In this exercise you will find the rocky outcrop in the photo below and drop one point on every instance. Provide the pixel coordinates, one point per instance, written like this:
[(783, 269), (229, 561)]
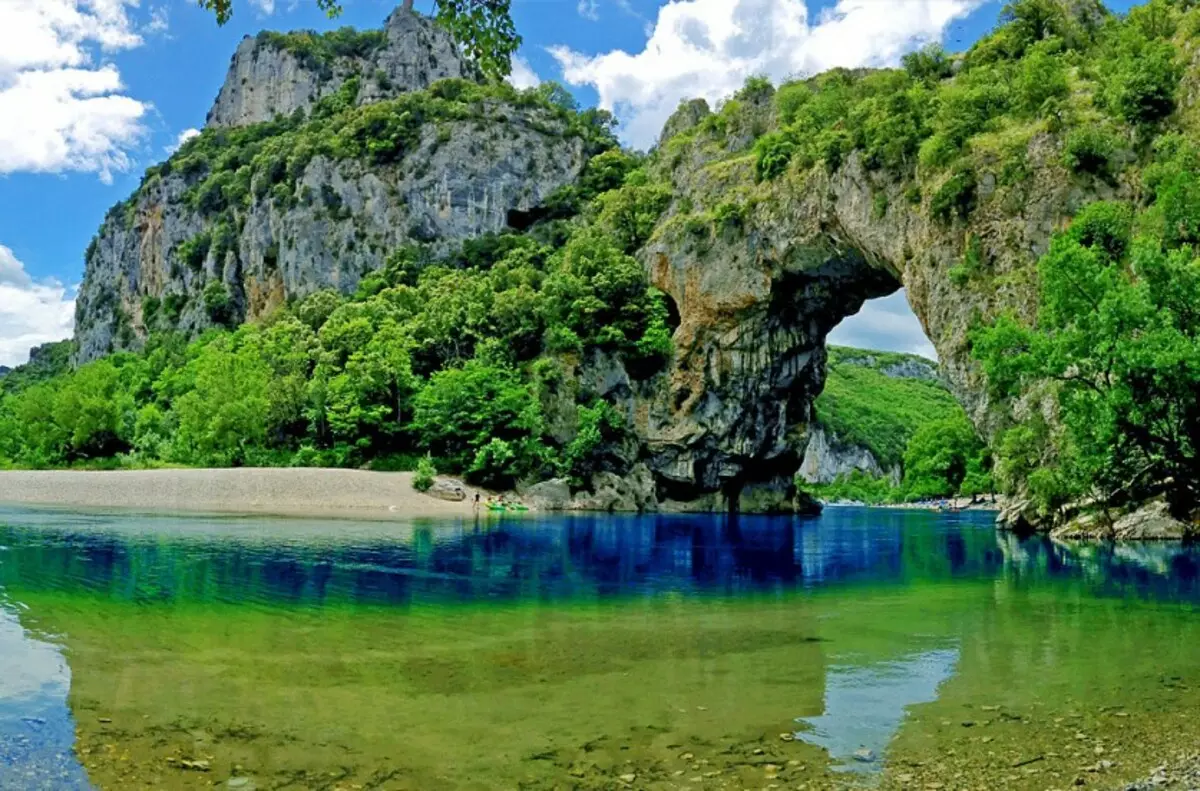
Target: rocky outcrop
[(825, 459), (275, 75), (340, 220), (1150, 522), (451, 490), (551, 495), (632, 492)]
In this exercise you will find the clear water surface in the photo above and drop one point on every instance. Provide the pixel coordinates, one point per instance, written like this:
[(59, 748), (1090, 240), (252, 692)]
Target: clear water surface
[(862, 648)]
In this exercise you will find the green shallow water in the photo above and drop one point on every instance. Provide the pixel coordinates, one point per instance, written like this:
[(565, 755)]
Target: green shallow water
[(587, 652)]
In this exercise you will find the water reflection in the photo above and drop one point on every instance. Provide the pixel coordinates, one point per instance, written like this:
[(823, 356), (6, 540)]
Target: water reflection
[(310, 562), (36, 727), (852, 673), (865, 704)]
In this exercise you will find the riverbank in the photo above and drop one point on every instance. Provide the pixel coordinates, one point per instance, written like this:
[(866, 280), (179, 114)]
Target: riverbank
[(278, 491), (957, 503)]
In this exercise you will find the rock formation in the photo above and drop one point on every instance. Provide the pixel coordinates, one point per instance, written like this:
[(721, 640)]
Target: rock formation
[(826, 460), (338, 219), (756, 272), (275, 75)]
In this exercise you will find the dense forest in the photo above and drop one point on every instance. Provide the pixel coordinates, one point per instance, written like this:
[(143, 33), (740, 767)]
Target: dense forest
[(456, 355)]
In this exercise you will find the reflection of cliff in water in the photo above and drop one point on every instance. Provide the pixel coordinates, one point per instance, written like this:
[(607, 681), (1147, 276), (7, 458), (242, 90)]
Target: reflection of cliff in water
[(231, 559), (1166, 570)]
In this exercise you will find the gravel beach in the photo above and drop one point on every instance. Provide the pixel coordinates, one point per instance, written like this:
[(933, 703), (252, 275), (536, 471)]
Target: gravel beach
[(284, 492), (1183, 774)]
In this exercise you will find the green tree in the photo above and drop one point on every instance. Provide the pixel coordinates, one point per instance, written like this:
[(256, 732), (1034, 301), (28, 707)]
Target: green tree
[(462, 413), (1117, 346), (425, 475), (939, 458), (225, 408)]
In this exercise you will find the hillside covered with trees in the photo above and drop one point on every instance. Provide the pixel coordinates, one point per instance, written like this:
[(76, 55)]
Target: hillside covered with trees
[(897, 409)]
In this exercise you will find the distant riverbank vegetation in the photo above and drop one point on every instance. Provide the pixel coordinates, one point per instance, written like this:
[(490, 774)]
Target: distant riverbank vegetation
[(895, 407)]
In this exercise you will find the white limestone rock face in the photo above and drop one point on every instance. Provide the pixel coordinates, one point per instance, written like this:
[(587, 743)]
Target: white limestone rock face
[(825, 459), (266, 79), (343, 218)]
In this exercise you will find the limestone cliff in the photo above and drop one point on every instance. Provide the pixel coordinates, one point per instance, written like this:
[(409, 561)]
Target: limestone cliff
[(826, 459), (274, 75), (204, 242)]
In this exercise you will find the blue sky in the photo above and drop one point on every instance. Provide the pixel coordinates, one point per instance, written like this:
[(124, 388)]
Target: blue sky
[(101, 89)]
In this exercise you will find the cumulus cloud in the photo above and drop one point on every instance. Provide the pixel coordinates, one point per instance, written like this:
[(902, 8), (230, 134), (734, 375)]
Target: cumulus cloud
[(265, 6), (31, 312), (184, 136), (886, 324), (707, 48), (523, 76), (62, 109)]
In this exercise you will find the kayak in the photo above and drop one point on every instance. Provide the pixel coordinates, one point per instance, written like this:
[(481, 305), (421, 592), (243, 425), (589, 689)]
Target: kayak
[(501, 508)]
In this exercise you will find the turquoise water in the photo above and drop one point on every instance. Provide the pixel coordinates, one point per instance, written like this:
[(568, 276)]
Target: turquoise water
[(179, 652)]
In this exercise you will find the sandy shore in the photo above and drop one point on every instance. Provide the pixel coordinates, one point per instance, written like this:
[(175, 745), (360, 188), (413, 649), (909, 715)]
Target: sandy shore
[(283, 492)]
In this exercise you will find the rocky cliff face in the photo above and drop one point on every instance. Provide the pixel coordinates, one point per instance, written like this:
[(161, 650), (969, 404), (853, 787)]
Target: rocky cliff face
[(276, 75), (191, 248), (826, 460)]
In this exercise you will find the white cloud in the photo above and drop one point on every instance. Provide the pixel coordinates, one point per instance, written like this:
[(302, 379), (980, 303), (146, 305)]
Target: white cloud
[(886, 324), (265, 6), (62, 110), (31, 312), (707, 48), (523, 76), (588, 9), (160, 20), (184, 136)]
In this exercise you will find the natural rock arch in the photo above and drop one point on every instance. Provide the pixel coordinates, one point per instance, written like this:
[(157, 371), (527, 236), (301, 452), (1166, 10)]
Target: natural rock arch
[(757, 297)]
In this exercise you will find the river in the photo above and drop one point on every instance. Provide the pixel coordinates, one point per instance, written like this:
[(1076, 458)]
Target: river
[(862, 648)]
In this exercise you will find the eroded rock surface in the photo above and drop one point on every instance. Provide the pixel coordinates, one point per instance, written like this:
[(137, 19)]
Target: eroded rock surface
[(269, 77)]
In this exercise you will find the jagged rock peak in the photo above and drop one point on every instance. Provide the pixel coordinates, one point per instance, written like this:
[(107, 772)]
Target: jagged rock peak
[(276, 74)]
